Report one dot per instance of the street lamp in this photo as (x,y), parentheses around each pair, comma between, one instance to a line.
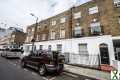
(34,35)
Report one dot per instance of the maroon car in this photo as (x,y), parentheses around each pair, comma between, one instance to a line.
(44,61)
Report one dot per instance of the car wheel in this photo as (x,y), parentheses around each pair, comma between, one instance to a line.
(42,70)
(23,64)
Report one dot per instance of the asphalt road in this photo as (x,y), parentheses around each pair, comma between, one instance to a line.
(10,70)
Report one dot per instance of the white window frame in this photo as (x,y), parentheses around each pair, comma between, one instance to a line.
(77,15)
(52,35)
(38,37)
(93,10)
(63,20)
(39,27)
(13,36)
(59,48)
(40,47)
(33,29)
(53,22)
(43,36)
(49,47)
(29,31)
(78,29)
(83,48)
(12,40)
(27,39)
(62,33)
(93,25)
(31,38)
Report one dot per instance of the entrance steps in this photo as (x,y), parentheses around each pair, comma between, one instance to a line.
(106,68)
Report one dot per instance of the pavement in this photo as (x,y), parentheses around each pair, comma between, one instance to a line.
(99,75)
(10,70)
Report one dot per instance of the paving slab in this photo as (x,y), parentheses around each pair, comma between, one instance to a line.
(100,75)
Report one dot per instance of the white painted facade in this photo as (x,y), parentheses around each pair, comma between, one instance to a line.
(71,46)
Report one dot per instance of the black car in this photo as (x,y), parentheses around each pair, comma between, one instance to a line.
(44,61)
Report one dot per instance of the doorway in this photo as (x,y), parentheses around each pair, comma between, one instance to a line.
(104,54)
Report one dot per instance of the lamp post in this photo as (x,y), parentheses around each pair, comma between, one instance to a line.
(34,35)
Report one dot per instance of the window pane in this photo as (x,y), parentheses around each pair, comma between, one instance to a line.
(77,15)
(77,30)
(95,27)
(59,48)
(49,47)
(44,37)
(41,47)
(33,29)
(62,20)
(83,49)
(53,22)
(93,10)
(52,34)
(62,33)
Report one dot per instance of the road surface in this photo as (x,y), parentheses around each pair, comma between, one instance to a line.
(10,70)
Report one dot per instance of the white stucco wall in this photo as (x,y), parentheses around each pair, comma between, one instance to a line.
(71,46)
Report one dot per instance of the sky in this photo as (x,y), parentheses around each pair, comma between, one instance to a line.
(16,13)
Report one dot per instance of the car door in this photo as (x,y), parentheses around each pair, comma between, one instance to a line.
(38,59)
(29,59)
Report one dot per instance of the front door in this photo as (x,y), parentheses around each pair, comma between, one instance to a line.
(104,54)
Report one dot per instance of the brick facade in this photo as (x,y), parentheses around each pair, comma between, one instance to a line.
(18,38)
(106,20)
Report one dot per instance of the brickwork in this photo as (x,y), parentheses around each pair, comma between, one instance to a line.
(107,16)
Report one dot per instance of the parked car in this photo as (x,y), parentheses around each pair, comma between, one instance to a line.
(4,51)
(13,53)
(44,61)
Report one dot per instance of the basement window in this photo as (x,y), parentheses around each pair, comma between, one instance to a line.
(49,47)
(59,48)
(41,47)
(83,49)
